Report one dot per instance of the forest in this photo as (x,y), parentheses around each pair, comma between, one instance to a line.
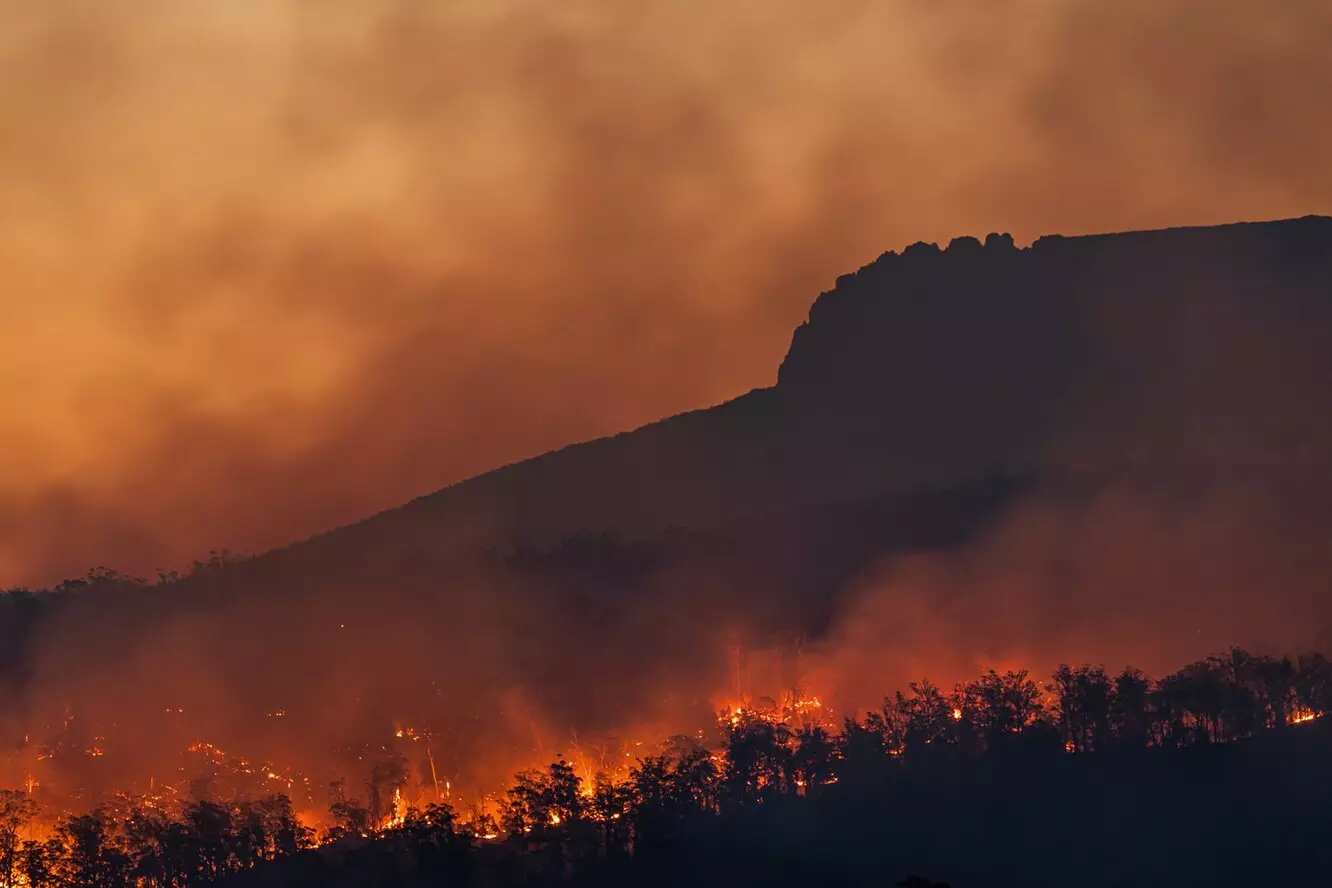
(1219,773)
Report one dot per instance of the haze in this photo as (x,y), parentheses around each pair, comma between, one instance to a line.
(270,266)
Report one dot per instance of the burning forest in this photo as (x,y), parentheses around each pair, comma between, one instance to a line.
(219,817)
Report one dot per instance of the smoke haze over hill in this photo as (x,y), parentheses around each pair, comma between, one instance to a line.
(269,267)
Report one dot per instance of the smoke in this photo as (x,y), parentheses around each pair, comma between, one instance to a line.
(269,267)
(1119,577)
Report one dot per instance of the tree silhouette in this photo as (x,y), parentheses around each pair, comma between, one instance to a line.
(431,838)
(1131,717)
(547,812)
(759,762)
(210,851)
(814,759)
(93,857)
(657,808)
(1001,706)
(544,803)
(1243,709)
(16,810)
(1086,698)
(611,807)
(350,818)
(668,797)
(694,783)
(929,717)
(1275,685)
(388,776)
(159,847)
(40,863)
(1195,699)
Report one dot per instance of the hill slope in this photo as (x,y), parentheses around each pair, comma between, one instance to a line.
(1180,350)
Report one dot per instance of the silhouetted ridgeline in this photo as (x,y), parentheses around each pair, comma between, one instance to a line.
(1186,350)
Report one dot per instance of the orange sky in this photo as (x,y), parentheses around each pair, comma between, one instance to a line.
(270,265)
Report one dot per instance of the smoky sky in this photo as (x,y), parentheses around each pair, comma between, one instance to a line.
(271,266)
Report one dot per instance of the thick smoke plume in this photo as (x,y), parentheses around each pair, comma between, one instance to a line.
(269,267)
(1121,576)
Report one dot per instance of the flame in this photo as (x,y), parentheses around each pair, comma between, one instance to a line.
(399,815)
(595,759)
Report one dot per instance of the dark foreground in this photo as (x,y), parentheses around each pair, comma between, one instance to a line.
(1255,813)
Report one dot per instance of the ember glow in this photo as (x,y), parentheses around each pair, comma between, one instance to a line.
(400,768)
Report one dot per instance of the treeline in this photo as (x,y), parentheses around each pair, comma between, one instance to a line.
(729,815)
(203,844)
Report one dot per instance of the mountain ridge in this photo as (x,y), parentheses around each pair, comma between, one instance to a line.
(779,446)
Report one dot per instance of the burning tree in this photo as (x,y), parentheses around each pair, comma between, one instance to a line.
(16,810)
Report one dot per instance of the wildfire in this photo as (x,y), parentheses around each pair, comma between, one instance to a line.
(594,762)
(208,750)
(399,815)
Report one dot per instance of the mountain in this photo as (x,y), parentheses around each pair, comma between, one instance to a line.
(1194,350)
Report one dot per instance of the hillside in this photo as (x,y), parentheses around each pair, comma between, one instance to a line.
(1188,351)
